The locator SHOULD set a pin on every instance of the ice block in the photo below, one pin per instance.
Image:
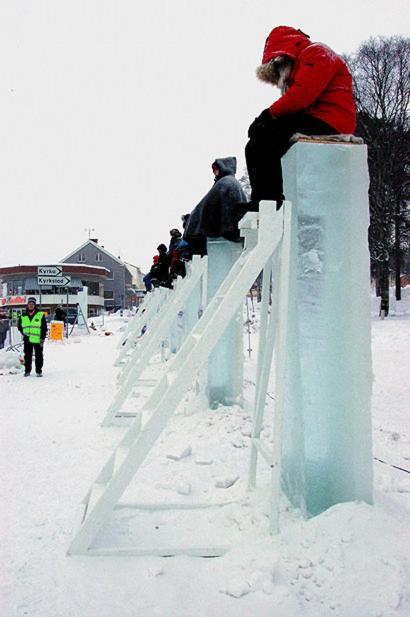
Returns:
(82, 298)
(327, 443)
(225, 365)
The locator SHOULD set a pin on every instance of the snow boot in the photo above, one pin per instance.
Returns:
(39, 373)
(27, 374)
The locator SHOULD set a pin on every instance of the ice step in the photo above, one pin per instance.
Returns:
(123, 413)
(146, 382)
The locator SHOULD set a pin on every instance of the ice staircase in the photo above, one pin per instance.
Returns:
(263, 232)
(150, 342)
(176, 300)
(148, 312)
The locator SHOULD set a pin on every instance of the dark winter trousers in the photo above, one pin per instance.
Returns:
(28, 355)
(264, 151)
(147, 281)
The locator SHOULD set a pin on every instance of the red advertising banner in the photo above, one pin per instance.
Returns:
(17, 299)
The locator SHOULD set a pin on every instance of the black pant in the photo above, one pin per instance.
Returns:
(28, 355)
(264, 151)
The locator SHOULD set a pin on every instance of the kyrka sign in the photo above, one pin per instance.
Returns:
(52, 275)
(49, 270)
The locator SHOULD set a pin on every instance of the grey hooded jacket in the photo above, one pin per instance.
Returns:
(216, 216)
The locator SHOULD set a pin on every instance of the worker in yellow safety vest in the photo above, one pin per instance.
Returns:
(33, 326)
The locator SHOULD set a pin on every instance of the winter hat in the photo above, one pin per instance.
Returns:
(31, 299)
(161, 248)
(175, 232)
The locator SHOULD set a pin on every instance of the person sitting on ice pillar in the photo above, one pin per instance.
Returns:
(317, 99)
(216, 215)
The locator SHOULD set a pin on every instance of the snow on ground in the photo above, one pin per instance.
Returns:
(351, 561)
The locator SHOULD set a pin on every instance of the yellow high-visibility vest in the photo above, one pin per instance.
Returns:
(32, 328)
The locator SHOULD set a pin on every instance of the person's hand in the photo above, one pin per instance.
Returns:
(260, 124)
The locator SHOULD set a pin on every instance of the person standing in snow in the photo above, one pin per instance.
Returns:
(317, 99)
(217, 214)
(33, 326)
(60, 313)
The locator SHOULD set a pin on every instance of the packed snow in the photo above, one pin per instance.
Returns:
(351, 561)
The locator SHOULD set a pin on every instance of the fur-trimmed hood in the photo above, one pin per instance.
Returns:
(277, 72)
(285, 41)
(282, 48)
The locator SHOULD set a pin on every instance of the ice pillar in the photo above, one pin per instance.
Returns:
(82, 298)
(193, 309)
(225, 365)
(327, 445)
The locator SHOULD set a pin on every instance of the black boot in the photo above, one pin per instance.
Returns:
(246, 206)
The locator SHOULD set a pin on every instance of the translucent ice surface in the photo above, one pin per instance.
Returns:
(225, 365)
(82, 299)
(327, 451)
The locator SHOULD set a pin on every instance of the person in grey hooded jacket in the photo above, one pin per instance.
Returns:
(217, 214)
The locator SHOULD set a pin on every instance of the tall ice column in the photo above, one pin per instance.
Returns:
(82, 298)
(225, 364)
(327, 444)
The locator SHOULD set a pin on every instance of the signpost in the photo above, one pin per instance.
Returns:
(58, 281)
(49, 270)
(53, 275)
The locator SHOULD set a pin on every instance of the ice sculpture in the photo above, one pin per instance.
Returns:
(82, 298)
(225, 365)
(327, 447)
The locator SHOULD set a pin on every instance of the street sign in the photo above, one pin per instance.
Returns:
(49, 271)
(59, 281)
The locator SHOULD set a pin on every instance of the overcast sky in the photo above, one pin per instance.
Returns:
(113, 110)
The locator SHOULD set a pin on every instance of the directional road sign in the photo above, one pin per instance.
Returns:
(49, 271)
(59, 281)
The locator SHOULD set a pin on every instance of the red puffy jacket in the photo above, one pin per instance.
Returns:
(320, 82)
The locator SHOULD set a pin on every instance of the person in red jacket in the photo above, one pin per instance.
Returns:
(317, 99)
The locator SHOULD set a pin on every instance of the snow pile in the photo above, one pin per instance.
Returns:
(344, 562)
(10, 362)
(351, 561)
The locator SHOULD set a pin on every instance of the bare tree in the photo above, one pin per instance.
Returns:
(381, 76)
